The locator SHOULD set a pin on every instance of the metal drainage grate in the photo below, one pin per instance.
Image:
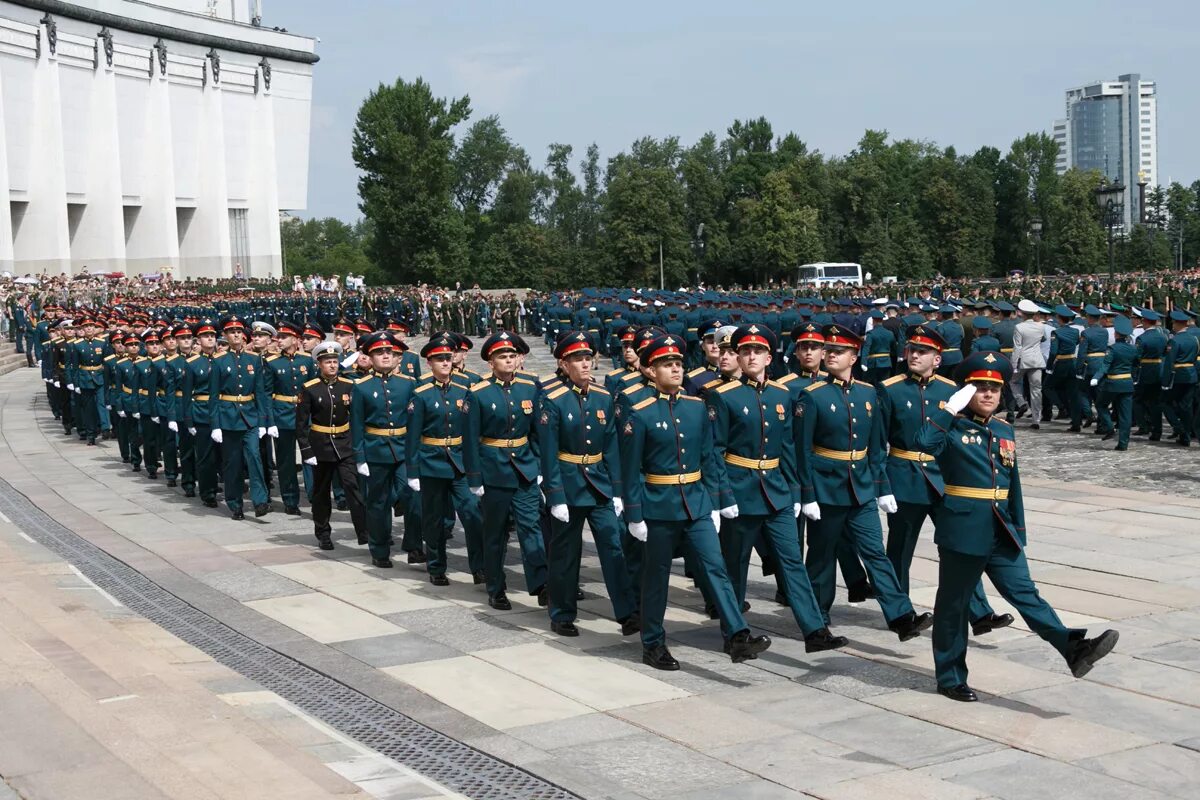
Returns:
(447, 761)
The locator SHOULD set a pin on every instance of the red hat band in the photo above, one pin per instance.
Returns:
(439, 351)
(754, 338)
(576, 347)
(811, 336)
(843, 341)
(203, 329)
(666, 351)
(314, 333)
(342, 328)
(500, 347)
(925, 341)
(380, 344)
(986, 375)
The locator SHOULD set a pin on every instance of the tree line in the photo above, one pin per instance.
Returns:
(449, 200)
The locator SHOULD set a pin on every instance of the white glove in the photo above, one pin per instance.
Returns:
(958, 401)
(863, 366)
(78, 390)
(477, 491)
(638, 530)
(137, 415)
(811, 510)
(109, 408)
(414, 484)
(273, 432)
(312, 462)
(350, 360)
(560, 513)
(70, 387)
(173, 426)
(192, 431)
(57, 385)
(618, 506)
(154, 420)
(1095, 382)
(539, 480)
(729, 512)
(888, 503)
(716, 520)
(363, 469)
(121, 414)
(796, 510)
(262, 432)
(216, 435)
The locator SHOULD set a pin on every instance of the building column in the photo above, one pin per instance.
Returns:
(205, 251)
(154, 236)
(6, 238)
(99, 239)
(263, 193)
(43, 242)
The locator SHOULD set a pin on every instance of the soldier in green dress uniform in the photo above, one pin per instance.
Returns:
(980, 527)
(1114, 380)
(286, 373)
(239, 418)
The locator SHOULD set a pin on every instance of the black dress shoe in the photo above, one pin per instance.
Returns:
(631, 624)
(564, 628)
(579, 595)
(1155, 438)
(417, 557)
(171, 483)
(543, 596)
(1088, 421)
(745, 606)
(781, 598)
(152, 475)
(439, 580)
(382, 563)
(478, 578)
(910, 625)
(189, 492)
(743, 646)
(262, 509)
(860, 592)
(1108, 436)
(1074, 429)
(326, 543)
(500, 602)
(91, 443)
(1035, 427)
(659, 657)
(962, 693)
(711, 611)
(211, 502)
(239, 515)
(342, 505)
(1022, 411)
(293, 511)
(1121, 447)
(1088, 651)
(820, 640)
(990, 623)
(361, 538)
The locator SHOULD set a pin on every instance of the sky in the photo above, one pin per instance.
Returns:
(960, 73)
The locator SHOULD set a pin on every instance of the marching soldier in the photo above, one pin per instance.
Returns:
(708, 374)
(980, 527)
(1064, 341)
(326, 446)
(905, 402)
(437, 419)
(182, 336)
(286, 373)
(1147, 394)
(1179, 378)
(196, 412)
(148, 387)
(673, 491)
(90, 353)
(1113, 380)
(239, 417)
(126, 402)
(581, 469)
(379, 428)
(759, 462)
(842, 472)
(502, 468)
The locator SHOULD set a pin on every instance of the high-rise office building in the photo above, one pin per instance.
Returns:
(1112, 127)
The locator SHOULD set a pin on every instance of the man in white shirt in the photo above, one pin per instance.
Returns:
(1031, 340)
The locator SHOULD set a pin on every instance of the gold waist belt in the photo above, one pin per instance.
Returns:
(331, 430)
(524, 440)
(286, 398)
(752, 463)
(587, 458)
(390, 432)
(840, 455)
(673, 480)
(429, 440)
(910, 455)
(236, 398)
(976, 494)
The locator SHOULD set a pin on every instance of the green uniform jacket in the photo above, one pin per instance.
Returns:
(905, 403)
(240, 403)
(437, 412)
(284, 377)
(977, 458)
(502, 413)
(1151, 346)
(1179, 362)
(197, 387)
(381, 403)
(841, 451)
(754, 422)
(577, 423)
(1117, 371)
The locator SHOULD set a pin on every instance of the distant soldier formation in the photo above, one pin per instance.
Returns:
(720, 424)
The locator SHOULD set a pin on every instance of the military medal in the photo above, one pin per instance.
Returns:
(779, 410)
(600, 414)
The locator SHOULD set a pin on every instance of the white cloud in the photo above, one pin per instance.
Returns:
(492, 75)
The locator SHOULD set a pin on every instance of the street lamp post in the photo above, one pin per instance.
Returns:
(1108, 197)
(1035, 233)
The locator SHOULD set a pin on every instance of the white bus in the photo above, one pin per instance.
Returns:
(828, 272)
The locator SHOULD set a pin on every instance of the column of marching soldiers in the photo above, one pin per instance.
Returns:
(707, 464)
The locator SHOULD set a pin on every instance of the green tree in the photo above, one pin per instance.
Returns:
(643, 210)
(402, 146)
(775, 233)
(1074, 240)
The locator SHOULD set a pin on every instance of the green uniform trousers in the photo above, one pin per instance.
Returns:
(859, 526)
(206, 456)
(378, 492)
(496, 505)
(1122, 415)
(239, 450)
(662, 540)
(440, 496)
(779, 529)
(285, 462)
(565, 547)
(958, 576)
(904, 528)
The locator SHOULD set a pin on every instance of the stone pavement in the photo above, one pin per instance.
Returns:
(588, 716)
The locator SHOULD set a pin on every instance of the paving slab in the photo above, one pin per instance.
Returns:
(323, 618)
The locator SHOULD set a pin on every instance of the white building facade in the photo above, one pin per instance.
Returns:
(1112, 126)
(149, 137)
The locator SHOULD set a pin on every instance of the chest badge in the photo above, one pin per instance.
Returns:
(868, 404)
(779, 411)
(570, 417)
(1008, 452)
(346, 399)
(527, 406)
(249, 369)
(833, 407)
(908, 404)
(745, 410)
(599, 414)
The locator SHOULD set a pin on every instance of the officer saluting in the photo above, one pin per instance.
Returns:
(673, 490)
(323, 431)
(502, 467)
(981, 527)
